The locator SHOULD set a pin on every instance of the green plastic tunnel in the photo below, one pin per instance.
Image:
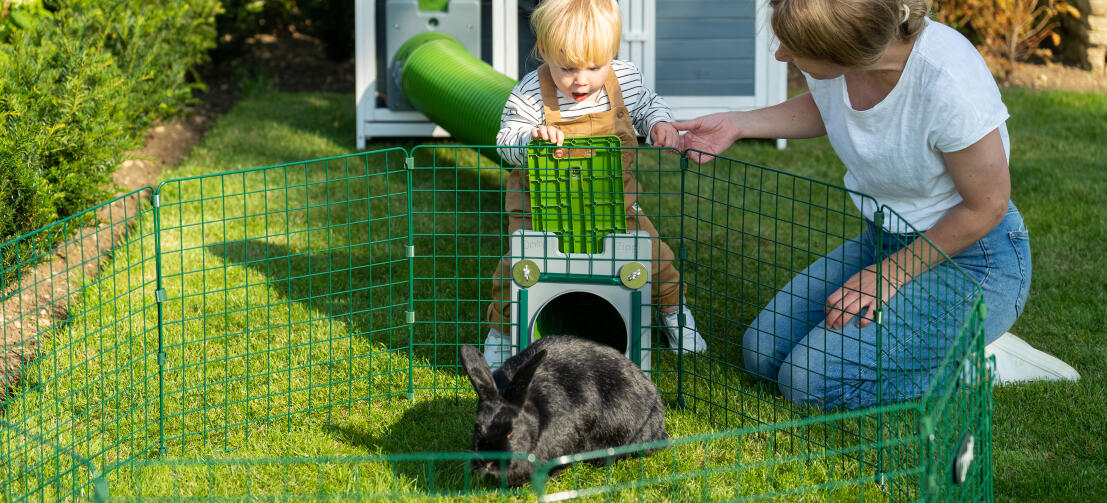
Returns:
(462, 94)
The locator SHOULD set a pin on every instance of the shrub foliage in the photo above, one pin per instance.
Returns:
(1013, 30)
(77, 89)
(332, 22)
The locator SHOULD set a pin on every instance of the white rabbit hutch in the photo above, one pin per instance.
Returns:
(702, 56)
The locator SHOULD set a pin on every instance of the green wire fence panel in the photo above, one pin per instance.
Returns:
(80, 371)
(292, 333)
(285, 290)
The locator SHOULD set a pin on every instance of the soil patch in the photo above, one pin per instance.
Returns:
(289, 62)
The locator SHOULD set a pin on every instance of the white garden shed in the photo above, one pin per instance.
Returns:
(702, 56)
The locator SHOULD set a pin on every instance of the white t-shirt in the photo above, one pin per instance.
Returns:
(946, 100)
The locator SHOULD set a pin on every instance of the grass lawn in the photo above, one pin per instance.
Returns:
(1048, 438)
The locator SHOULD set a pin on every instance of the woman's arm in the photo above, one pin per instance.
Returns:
(795, 118)
(981, 176)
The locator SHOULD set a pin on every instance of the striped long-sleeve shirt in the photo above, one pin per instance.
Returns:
(523, 111)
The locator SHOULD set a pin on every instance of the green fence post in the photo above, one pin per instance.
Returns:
(878, 318)
(409, 164)
(636, 327)
(682, 255)
(523, 329)
(159, 297)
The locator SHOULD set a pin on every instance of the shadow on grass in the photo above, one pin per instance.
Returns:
(345, 284)
(433, 466)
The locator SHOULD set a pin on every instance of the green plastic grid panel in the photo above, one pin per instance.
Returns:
(576, 190)
(266, 304)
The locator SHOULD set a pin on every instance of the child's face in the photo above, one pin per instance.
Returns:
(580, 83)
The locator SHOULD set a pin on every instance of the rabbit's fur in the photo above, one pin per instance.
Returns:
(561, 395)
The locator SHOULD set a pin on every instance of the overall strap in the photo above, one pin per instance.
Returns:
(549, 95)
(614, 92)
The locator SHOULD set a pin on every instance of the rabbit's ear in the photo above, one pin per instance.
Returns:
(479, 374)
(516, 392)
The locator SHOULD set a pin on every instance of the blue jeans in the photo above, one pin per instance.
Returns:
(788, 342)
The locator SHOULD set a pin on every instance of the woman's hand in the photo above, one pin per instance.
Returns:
(665, 135)
(711, 134)
(548, 133)
(856, 295)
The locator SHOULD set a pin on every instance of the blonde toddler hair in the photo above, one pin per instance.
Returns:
(576, 33)
(851, 33)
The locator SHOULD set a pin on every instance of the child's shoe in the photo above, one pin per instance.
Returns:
(497, 349)
(692, 340)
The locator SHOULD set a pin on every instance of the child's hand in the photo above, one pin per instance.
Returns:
(665, 135)
(549, 133)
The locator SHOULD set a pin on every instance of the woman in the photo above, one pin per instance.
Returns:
(913, 112)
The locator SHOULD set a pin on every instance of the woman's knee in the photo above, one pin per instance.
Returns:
(803, 386)
(818, 372)
(759, 352)
(798, 382)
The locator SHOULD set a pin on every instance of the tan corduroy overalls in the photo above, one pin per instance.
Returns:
(615, 121)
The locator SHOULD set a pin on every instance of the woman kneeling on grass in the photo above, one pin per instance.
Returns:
(914, 114)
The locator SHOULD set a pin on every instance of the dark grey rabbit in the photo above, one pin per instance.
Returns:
(561, 395)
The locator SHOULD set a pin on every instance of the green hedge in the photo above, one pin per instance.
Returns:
(331, 21)
(78, 88)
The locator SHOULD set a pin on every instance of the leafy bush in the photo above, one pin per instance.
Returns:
(1009, 29)
(77, 90)
(155, 47)
(19, 15)
(63, 128)
(332, 22)
(242, 19)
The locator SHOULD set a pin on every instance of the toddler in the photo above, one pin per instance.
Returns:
(581, 90)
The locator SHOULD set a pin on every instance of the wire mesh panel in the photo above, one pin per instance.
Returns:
(749, 464)
(748, 232)
(285, 290)
(457, 233)
(80, 332)
(394, 477)
(766, 250)
(292, 332)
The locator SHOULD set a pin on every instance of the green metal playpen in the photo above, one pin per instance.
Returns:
(291, 333)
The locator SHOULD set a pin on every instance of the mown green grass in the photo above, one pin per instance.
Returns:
(271, 357)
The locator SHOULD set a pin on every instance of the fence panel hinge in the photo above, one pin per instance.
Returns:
(410, 251)
(409, 162)
(155, 200)
(160, 295)
(409, 317)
